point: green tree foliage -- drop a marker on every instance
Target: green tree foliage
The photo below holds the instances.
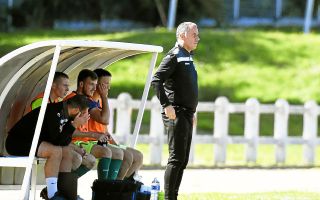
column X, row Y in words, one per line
column 38, row 12
column 192, row 10
column 298, row 7
column 79, row 9
column 43, row 13
column 137, row 10
column 146, row 10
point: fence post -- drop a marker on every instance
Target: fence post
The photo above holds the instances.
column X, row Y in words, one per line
column 123, row 124
column 221, row 125
column 310, row 126
column 236, row 9
column 281, row 129
column 251, row 128
column 278, row 9
column 111, row 118
column 156, row 132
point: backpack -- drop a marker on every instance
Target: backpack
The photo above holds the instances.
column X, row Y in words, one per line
column 117, row 190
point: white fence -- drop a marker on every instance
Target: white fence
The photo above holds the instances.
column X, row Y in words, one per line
column 221, row 108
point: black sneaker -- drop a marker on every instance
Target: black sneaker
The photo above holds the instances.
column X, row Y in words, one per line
column 57, row 196
column 44, row 194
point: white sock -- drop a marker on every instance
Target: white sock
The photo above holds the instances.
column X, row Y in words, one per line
column 52, row 186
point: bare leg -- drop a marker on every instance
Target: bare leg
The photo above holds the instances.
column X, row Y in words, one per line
column 88, row 160
column 126, row 164
column 101, row 152
column 51, row 169
column 137, row 161
column 76, row 160
column 117, row 153
column 53, row 154
column 67, row 157
column 67, row 181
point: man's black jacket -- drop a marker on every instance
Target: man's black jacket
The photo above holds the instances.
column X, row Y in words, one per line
column 175, row 81
column 56, row 129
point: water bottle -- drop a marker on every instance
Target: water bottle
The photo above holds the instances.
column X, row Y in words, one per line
column 155, row 188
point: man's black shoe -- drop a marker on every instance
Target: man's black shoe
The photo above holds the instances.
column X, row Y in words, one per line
column 57, row 196
column 44, row 194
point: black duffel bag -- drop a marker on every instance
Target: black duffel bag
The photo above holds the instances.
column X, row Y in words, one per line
column 114, row 189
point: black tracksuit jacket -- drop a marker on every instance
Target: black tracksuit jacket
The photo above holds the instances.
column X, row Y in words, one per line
column 175, row 81
column 56, row 129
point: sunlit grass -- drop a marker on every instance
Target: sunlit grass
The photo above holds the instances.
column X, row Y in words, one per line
column 204, row 156
column 238, row 64
column 289, row 195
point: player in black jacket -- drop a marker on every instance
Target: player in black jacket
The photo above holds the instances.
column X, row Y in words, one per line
column 60, row 121
column 176, row 86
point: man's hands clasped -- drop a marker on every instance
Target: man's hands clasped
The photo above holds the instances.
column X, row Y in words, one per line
column 170, row 112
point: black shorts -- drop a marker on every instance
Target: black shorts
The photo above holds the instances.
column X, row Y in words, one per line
column 19, row 146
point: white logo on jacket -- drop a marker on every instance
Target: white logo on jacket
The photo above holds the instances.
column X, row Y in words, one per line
column 184, row 59
column 62, row 123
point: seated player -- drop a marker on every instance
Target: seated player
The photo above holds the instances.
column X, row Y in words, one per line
column 60, row 121
column 59, row 89
column 133, row 159
column 110, row 158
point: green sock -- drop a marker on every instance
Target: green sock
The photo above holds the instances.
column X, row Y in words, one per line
column 114, row 169
column 103, row 168
column 82, row 170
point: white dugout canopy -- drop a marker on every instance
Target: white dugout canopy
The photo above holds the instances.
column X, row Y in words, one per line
column 29, row 70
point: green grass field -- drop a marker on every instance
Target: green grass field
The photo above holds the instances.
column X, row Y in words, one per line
column 290, row 195
column 238, row 64
column 204, row 156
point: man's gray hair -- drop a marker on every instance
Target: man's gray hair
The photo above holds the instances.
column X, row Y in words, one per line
column 184, row 27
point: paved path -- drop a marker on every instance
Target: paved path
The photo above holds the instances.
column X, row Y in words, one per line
column 219, row 180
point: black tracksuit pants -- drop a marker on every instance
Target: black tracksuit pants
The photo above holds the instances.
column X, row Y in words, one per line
column 179, row 140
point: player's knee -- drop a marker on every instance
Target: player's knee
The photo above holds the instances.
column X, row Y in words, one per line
column 117, row 154
column 89, row 161
column 76, row 160
column 55, row 152
column 106, row 152
column 128, row 157
column 67, row 153
column 138, row 157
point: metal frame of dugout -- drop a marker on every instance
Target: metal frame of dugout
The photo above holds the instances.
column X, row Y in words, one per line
column 30, row 69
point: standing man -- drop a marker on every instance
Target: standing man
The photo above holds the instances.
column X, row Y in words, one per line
column 176, row 86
